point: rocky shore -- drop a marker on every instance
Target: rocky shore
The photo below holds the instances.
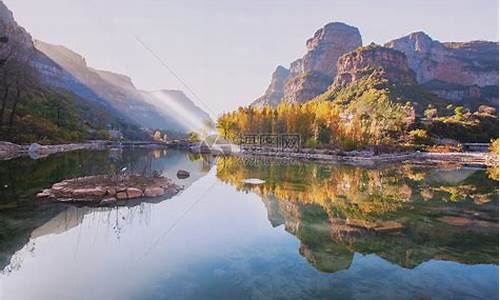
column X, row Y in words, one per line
column 109, row 189
column 10, row 150
column 472, row 159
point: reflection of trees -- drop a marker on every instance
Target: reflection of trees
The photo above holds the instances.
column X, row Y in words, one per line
column 22, row 178
column 106, row 221
column 324, row 205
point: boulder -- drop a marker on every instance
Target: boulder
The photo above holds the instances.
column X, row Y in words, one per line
column 89, row 192
column 154, row 192
column 34, row 147
column 44, row 194
column 182, row 174
column 121, row 196
column 110, row 191
column 133, row 193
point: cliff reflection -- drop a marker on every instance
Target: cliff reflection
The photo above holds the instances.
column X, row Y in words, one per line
column 402, row 213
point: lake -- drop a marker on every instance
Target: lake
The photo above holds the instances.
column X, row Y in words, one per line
column 310, row 231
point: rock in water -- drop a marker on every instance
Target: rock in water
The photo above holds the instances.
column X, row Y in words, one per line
column 133, row 193
column 253, row 181
column 153, row 192
column 182, row 174
column 108, row 190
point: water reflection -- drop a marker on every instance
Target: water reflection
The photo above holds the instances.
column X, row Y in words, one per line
column 22, row 178
column 404, row 214
column 310, row 231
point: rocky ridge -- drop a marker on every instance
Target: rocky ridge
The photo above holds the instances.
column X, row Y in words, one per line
column 460, row 72
column 311, row 75
column 388, row 63
column 457, row 71
column 275, row 91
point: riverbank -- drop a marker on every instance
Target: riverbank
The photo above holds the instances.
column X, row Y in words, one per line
column 10, row 150
column 474, row 159
column 471, row 159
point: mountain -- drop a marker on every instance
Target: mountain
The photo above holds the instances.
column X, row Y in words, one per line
column 391, row 65
column 312, row 74
column 34, row 111
column 464, row 73
column 372, row 71
column 458, row 71
column 49, row 93
column 149, row 109
column 275, row 91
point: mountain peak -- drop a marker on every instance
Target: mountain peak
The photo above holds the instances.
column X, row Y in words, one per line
column 332, row 33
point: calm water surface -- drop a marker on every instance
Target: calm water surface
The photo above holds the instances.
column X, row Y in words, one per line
column 310, row 231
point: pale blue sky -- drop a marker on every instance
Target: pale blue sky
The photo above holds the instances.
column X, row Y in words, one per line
column 226, row 50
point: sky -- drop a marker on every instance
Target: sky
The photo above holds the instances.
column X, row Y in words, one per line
column 224, row 51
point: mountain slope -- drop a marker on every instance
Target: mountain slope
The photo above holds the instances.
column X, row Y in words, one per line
column 31, row 110
column 170, row 110
column 123, row 98
column 375, row 69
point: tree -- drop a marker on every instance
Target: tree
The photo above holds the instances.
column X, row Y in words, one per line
column 193, row 137
column 431, row 112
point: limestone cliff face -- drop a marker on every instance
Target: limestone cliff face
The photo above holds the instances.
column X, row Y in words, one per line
column 467, row 67
column 468, row 63
column 274, row 92
column 311, row 75
column 388, row 63
column 305, row 86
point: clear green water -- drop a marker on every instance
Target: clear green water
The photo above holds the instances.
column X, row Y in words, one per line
column 300, row 235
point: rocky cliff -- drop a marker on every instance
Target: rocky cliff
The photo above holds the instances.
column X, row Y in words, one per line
column 275, row 91
column 311, row 75
column 458, row 71
column 387, row 63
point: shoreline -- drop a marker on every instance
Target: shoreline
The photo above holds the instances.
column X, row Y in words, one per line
column 474, row 159
column 469, row 159
column 11, row 151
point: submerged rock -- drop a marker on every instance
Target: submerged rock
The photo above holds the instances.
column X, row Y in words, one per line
column 108, row 190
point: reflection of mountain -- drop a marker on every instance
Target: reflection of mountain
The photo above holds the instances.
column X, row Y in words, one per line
column 22, row 218
column 403, row 214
